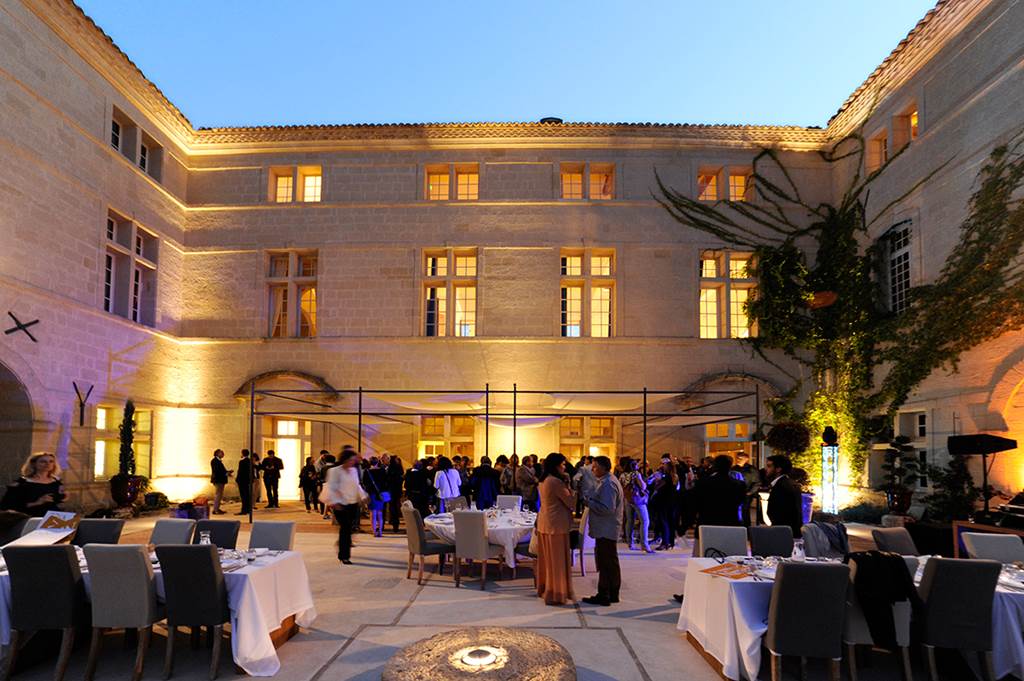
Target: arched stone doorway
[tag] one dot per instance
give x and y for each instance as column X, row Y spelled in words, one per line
column 15, row 425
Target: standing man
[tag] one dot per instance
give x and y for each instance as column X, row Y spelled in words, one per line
column 785, row 502
column 605, row 503
column 272, row 467
column 244, row 481
column 219, row 477
column 343, row 493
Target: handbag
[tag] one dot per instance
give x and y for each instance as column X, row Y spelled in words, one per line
column 385, row 497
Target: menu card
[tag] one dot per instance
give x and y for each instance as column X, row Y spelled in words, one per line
column 55, row 527
column 729, row 570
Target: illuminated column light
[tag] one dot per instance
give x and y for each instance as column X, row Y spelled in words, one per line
column 830, row 471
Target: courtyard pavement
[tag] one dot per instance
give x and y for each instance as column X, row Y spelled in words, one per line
column 368, row 611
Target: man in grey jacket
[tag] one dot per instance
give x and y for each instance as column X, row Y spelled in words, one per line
column 605, row 501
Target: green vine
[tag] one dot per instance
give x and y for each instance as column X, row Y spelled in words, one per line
column 819, row 301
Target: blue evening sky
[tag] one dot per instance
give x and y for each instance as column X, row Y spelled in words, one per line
column 262, row 62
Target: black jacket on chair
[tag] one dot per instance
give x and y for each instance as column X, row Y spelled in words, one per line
column 785, row 505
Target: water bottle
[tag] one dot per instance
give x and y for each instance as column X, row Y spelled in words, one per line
column 204, row 537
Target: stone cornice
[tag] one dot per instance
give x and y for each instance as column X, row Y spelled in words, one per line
column 933, row 32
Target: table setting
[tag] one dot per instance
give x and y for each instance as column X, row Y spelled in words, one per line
column 505, row 527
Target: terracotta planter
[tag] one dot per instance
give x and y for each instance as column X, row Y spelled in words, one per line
column 124, row 489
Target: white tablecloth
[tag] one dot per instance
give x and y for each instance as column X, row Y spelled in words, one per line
column 260, row 596
column 729, row 617
column 504, row 528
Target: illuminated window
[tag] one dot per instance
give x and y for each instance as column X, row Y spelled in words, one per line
column 437, row 184
column 432, row 426
column 707, row 187
column 601, row 265
column 283, row 188
column 709, row 313
column 709, row 267
column 572, row 311
column 307, row 311
column 738, row 266
column 435, row 311
column 571, row 426
column 463, row 426
column 572, row 181
column 716, row 430
column 739, row 186
column 468, row 185
column 465, row 311
column 913, row 124
column 107, row 445
column 602, row 182
column 287, row 428
column 739, row 324
column 312, row 181
column 742, row 429
column 601, row 427
column 436, row 265
column 572, row 265
column 601, row 311
column 877, row 152
column 465, row 265
column 292, row 294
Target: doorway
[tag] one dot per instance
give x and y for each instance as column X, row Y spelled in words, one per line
column 15, row 425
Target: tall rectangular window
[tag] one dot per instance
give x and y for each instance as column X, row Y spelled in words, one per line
column 143, row 157
column 108, row 283
column 913, row 124
column 467, row 184
column 877, row 151
column 435, row 310
column 601, row 265
column 311, row 185
column 465, row 311
column 437, row 184
column 115, row 134
column 136, row 293
column 602, row 182
column 465, row 265
column 726, row 281
column 739, row 186
column 601, row 311
column 129, row 270
column 291, row 278
column 572, row 180
column 899, row 268
column 572, row 311
column 708, row 312
column 106, row 446
column 283, row 189
column 707, row 186
column 436, row 264
column 572, row 265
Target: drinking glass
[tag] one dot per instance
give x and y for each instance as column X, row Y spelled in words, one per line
column 204, row 537
column 798, row 550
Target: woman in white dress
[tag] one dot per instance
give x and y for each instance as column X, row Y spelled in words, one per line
column 448, row 482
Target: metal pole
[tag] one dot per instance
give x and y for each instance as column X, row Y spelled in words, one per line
column 758, row 451
column 252, row 438
column 514, row 418
column 487, row 420
column 359, row 428
column 645, row 426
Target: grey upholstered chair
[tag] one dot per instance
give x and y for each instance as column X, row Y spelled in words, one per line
column 195, row 594
column 1006, row 548
column 223, row 533
column 276, row 535
column 512, row 502
column 419, row 546
column 732, row 541
column 895, row 540
column 856, row 631
column 47, row 592
column 31, row 525
column 98, row 531
column 471, row 543
column 796, row 629
column 956, row 596
column 771, row 541
column 12, row 525
column 455, row 504
column 172, row 531
column 123, row 597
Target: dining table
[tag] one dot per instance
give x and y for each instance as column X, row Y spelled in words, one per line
column 505, row 528
column 725, row 616
column 267, row 592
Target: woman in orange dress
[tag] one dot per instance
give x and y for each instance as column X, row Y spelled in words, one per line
column 554, row 571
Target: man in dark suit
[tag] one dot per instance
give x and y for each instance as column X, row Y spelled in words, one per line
column 785, row 502
column 244, row 481
column 219, row 477
column 272, row 467
column 719, row 495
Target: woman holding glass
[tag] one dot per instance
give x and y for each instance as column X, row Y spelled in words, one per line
column 554, row 567
column 39, row 488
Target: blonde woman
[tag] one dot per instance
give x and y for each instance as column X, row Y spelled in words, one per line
column 39, row 488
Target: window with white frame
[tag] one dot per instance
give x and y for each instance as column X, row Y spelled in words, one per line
column 291, row 183
column 591, row 181
column 587, row 293
column 450, row 274
column 441, row 177
column 291, row 285
column 899, row 242
column 727, row 286
column 129, row 272
column 571, row 177
column 107, row 442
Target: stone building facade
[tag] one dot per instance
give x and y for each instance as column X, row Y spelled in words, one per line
column 175, row 266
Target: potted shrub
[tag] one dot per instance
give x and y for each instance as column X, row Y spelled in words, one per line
column 125, row 486
column 789, row 437
column 901, row 470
